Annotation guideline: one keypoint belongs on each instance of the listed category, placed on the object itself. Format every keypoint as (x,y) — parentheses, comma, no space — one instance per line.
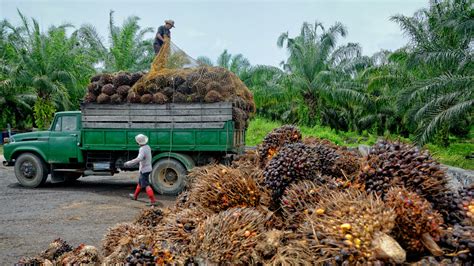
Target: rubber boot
(151,195)
(137,192)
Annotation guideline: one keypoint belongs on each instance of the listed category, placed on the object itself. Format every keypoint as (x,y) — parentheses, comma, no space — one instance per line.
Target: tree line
(423,90)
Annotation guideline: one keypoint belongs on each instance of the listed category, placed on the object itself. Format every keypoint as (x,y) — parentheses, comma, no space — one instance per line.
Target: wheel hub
(28,170)
(169,176)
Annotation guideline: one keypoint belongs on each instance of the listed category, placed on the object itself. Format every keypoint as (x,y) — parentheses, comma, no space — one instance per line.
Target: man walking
(161,33)
(144,160)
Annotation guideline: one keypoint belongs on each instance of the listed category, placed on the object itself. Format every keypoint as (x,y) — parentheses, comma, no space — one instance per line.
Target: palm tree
(315,65)
(129,49)
(440,53)
(235,63)
(52,64)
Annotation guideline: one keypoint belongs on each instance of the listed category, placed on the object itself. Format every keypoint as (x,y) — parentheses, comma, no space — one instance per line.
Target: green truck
(98,140)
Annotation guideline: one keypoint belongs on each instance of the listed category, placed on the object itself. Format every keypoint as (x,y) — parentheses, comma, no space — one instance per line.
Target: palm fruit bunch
(418,226)
(351,227)
(247,160)
(120,239)
(299,200)
(229,236)
(221,188)
(83,254)
(294,162)
(140,256)
(110,88)
(282,248)
(274,140)
(149,217)
(461,208)
(55,249)
(201,84)
(458,243)
(173,235)
(391,164)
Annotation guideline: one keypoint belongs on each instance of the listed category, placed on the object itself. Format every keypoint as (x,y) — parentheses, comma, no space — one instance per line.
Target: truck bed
(170,127)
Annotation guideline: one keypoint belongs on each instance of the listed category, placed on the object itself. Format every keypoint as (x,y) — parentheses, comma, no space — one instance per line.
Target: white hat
(141,139)
(170,21)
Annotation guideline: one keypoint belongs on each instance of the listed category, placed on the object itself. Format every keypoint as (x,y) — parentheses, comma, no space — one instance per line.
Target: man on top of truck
(144,160)
(163,31)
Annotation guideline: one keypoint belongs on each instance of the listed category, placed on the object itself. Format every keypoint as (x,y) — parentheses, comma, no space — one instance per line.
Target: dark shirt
(162,30)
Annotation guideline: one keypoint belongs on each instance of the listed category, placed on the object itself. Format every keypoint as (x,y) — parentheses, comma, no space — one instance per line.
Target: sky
(207,27)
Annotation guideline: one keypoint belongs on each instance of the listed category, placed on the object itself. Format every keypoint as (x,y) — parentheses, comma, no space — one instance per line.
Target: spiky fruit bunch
(160,98)
(246,160)
(351,226)
(228,236)
(299,200)
(135,77)
(458,242)
(121,238)
(219,188)
(108,89)
(116,99)
(94,88)
(122,78)
(106,78)
(149,217)
(55,249)
(461,208)
(274,140)
(213,96)
(81,255)
(177,81)
(391,164)
(31,261)
(146,98)
(283,248)
(123,90)
(103,98)
(133,97)
(178,98)
(95,78)
(174,233)
(90,98)
(326,158)
(294,162)
(418,226)
(140,256)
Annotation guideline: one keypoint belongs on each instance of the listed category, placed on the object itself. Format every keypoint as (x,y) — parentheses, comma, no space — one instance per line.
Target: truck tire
(30,170)
(168,176)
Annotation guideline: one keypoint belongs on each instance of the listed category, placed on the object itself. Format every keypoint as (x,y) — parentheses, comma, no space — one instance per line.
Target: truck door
(63,140)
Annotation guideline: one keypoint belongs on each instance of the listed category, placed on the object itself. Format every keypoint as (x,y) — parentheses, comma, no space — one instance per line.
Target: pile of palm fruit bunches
(296,201)
(190,85)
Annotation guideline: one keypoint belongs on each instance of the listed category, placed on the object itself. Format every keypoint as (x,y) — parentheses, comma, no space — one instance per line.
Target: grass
(1,149)
(454,155)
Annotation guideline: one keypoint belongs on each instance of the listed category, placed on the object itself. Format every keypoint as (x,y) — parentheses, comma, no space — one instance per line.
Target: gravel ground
(78,213)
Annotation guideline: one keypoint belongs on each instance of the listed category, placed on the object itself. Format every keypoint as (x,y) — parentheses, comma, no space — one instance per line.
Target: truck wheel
(30,170)
(168,177)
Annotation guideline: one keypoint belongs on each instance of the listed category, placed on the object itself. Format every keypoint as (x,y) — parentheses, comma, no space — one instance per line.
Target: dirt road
(80,213)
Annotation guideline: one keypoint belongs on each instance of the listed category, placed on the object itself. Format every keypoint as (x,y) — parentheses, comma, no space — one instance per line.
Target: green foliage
(44,112)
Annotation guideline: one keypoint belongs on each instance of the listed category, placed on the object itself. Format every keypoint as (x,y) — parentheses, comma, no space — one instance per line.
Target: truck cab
(34,153)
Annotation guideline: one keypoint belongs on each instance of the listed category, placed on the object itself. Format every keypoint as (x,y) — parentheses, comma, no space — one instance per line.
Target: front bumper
(8,163)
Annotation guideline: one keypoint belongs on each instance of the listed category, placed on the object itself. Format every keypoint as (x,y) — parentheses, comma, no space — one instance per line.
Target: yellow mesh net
(171,79)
